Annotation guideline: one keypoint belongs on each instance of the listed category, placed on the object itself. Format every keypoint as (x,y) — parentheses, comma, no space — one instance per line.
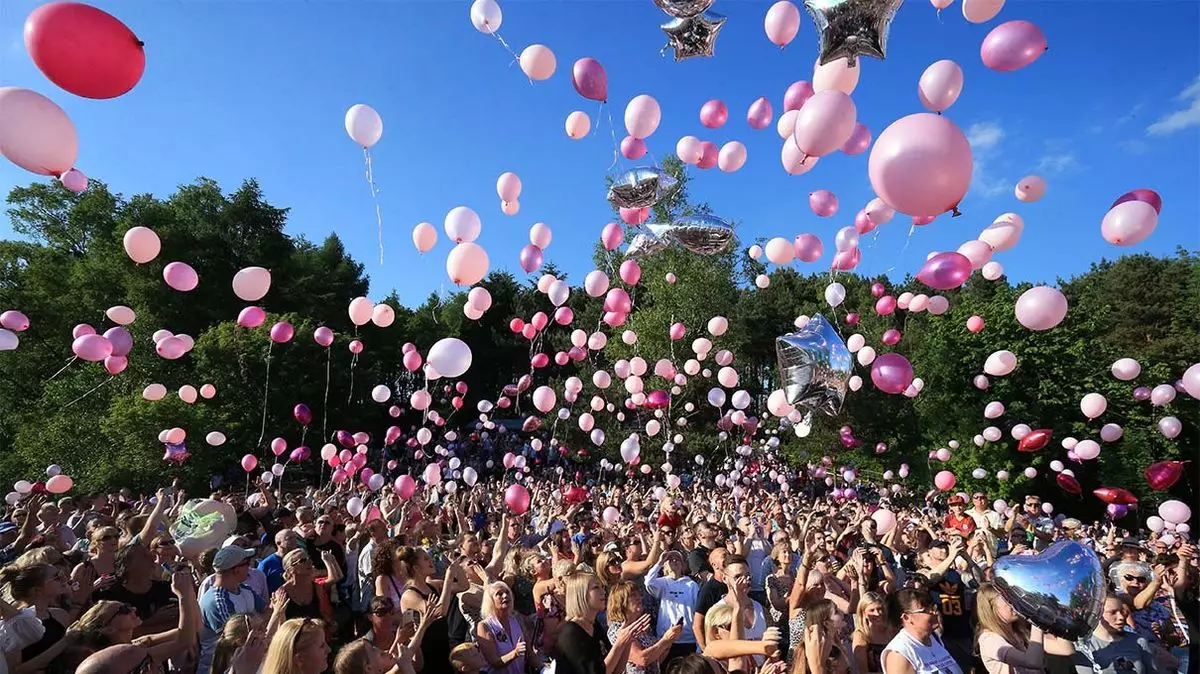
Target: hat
(6,527)
(612,546)
(232,541)
(1071,523)
(1133,543)
(956,500)
(229,557)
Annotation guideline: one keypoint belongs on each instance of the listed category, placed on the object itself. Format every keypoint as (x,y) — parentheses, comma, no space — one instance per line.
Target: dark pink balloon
(531,258)
(859,141)
(590,79)
(708,154)
(1141,394)
(808,247)
(1012,45)
(885,305)
(1141,194)
(891,337)
(823,202)
(852,318)
(796,95)
(863,223)
(633,148)
(760,113)
(845,260)
(282,332)
(891,373)
(714,114)
(945,271)
(878,289)
(121,340)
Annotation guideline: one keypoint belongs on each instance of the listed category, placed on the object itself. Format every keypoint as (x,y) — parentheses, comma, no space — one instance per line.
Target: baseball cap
(229,557)
(612,546)
(956,500)
(233,540)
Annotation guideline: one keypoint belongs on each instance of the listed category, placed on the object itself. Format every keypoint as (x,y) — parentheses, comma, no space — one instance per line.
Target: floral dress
(646,640)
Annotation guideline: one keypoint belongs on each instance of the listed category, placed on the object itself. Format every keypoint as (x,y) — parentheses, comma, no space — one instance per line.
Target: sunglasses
(1132,579)
(166,544)
(925,611)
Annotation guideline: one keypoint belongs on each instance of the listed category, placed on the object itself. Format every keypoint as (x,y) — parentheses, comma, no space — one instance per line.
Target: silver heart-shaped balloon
(814,366)
(641,187)
(701,234)
(1060,589)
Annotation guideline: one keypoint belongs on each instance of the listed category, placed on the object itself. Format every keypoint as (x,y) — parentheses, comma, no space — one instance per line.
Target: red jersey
(964,524)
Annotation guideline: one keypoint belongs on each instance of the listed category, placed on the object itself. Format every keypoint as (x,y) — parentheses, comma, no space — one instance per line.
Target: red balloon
(1115,495)
(1164,474)
(1069,484)
(1035,440)
(84,50)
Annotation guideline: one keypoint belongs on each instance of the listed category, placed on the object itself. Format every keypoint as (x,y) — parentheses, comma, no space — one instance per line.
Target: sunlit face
(302,567)
(501,598)
(1133,582)
(597,596)
(1114,616)
(124,620)
(1004,610)
(312,649)
(735,574)
(921,620)
(874,612)
(633,606)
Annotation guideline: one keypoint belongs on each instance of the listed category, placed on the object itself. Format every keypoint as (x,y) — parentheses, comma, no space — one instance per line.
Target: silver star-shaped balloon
(693,36)
(643,245)
(641,188)
(849,28)
(814,366)
(682,8)
(700,234)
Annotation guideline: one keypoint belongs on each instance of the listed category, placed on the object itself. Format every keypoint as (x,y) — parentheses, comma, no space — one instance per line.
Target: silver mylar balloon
(693,36)
(646,244)
(682,8)
(700,234)
(641,187)
(849,28)
(814,366)
(1060,589)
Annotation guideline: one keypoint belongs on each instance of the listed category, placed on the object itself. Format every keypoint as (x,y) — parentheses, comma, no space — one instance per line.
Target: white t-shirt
(755,631)
(931,659)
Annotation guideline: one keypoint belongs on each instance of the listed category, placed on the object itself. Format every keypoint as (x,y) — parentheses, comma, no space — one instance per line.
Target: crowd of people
(618,576)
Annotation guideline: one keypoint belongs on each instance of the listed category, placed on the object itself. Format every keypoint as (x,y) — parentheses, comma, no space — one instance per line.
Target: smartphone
(680,621)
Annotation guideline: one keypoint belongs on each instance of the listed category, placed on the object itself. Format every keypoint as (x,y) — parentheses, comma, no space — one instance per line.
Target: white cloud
(985,139)
(1180,119)
(1134,146)
(1057,163)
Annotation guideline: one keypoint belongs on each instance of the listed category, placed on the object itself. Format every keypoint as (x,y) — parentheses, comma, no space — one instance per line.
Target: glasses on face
(1134,579)
(924,611)
(166,544)
(979,497)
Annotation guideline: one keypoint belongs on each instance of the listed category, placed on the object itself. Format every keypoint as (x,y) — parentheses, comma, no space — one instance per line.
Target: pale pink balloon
(1004,233)
(825,123)
(1191,381)
(634,216)
(251,284)
(188,394)
(823,202)
(251,317)
(171,348)
(630,272)
(780,251)
(467,264)
(508,186)
(845,260)
(578,125)
(975,324)
(1012,45)
(713,114)
(355,346)
(940,85)
(859,140)
(595,283)
(978,252)
(921,165)
(688,149)
(1041,308)
(759,115)
(540,235)
(1129,223)
(939,5)
(837,75)
(510,207)
(180,276)
(1030,188)
(797,95)
(782,23)
(794,161)
(1093,405)
(732,156)
(642,116)
(207,391)
(36,134)
(538,63)
(786,125)
(141,244)
(981,11)
(81,330)
(633,148)
(879,212)
(424,235)
(75,181)
(808,247)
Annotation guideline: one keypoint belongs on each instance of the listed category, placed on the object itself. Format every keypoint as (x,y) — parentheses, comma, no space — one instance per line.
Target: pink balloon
(782,23)
(845,260)
(14,320)
(91,347)
(944,480)
(1012,45)
(1129,223)
(251,317)
(808,247)
(412,361)
(1030,188)
(539,321)
(797,95)
(709,154)
(75,181)
(611,236)
(878,289)
(1141,194)
(825,123)
(115,364)
(863,223)
(467,264)
(171,348)
(632,216)
(794,161)
(642,116)
(1041,308)
(282,332)
(921,165)
(677,331)
(732,156)
(940,85)
(323,336)
(141,244)
(537,61)
(891,337)
(633,148)
(975,324)
(506,207)
(760,113)
(516,497)
(121,340)
(589,79)
(36,134)
(891,373)
(180,276)
(630,272)
(945,271)
(837,75)
(539,360)
(577,126)
(531,258)
(823,202)
(713,114)
(81,330)
(249,462)
(564,315)
(688,149)
(859,140)
(508,186)
(978,252)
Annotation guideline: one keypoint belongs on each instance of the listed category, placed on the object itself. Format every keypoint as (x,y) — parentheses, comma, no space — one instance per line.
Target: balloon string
(266,389)
(900,256)
(375,198)
(90,392)
(325,400)
(64,368)
(496,34)
(612,130)
(353,364)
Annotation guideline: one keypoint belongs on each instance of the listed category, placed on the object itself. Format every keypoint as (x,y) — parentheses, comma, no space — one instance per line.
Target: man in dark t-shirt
(706,542)
(711,592)
(955,602)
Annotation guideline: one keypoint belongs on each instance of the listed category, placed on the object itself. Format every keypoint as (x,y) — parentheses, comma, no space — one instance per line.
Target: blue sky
(259,89)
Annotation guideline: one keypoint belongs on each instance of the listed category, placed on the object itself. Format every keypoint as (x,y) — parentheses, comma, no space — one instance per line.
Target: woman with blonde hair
(99,570)
(298,647)
(872,632)
(307,594)
(578,644)
(646,652)
(1005,644)
(499,633)
(364,657)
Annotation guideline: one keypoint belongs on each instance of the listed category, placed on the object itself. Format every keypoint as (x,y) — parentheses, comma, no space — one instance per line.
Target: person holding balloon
(1004,645)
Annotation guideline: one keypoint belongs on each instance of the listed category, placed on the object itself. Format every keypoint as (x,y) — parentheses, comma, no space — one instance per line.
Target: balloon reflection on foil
(641,187)
(693,36)
(700,234)
(646,244)
(850,28)
(682,8)
(1060,589)
(814,366)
